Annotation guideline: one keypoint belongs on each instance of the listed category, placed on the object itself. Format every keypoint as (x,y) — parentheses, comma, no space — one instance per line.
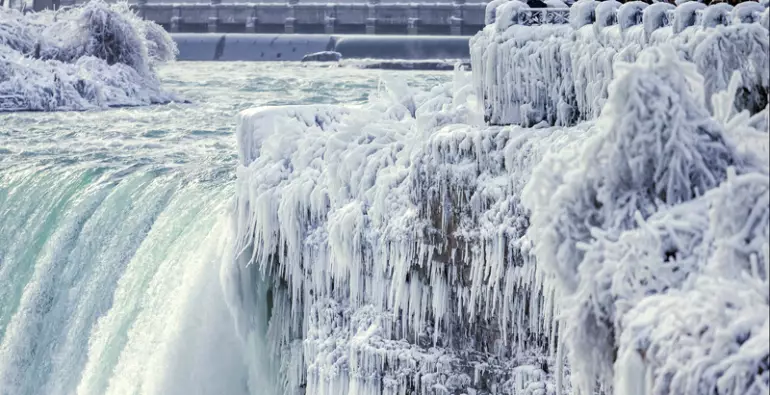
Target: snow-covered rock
(407,247)
(410,248)
(390,236)
(91,56)
(323,56)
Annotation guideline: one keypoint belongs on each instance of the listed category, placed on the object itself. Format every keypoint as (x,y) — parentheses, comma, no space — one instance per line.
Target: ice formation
(559,73)
(406,247)
(92,56)
(629,223)
(389,234)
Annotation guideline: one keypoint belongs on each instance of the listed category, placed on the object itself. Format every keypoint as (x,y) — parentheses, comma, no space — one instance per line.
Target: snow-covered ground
(93,56)
(404,246)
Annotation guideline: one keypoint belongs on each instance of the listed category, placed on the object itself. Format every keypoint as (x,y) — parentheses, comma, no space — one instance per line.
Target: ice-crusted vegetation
(389,234)
(92,56)
(410,249)
(660,206)
(559,73)
(405,247)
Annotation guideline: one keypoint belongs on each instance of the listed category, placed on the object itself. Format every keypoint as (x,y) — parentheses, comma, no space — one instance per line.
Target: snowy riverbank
(95,56)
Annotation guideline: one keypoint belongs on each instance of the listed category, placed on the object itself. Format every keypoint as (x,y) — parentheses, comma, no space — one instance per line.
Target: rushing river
(114,226)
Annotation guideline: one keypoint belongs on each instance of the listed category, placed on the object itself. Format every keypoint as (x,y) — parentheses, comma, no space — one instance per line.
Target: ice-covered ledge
(257,125)
(348,211)
(407,247)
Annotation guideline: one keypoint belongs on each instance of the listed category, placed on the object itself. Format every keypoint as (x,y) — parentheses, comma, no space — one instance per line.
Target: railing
(542,16)
(634,13)
(560,73)
(441,17)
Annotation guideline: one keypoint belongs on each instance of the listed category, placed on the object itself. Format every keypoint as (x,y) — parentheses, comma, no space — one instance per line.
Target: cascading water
(116,258)
(112,285)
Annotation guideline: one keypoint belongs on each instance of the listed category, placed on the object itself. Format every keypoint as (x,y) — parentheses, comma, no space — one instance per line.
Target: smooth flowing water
(114,227)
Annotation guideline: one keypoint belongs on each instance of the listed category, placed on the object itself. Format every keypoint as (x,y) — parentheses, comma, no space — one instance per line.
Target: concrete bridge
(440,17)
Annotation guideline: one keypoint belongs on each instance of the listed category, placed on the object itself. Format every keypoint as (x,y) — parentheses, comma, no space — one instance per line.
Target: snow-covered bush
(645,216)
(559,73)
(709,334)
(91,56)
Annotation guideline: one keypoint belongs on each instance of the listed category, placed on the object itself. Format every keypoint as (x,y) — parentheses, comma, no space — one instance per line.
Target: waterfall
(111,285)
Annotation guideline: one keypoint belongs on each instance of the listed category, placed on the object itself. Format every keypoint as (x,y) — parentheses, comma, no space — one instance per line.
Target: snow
(323,56)
(716,14)
(685,15)
(507,14)
(765,21)
(631,14)
(624,261)
(92,56)
(355,201)
(606,14)
(657,16)
(582,13)
(747,12)
(410,247)
(559,73)
(490,11)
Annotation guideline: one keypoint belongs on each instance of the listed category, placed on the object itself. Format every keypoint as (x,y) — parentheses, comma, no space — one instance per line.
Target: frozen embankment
(404,247)
(559,72)
(92,56)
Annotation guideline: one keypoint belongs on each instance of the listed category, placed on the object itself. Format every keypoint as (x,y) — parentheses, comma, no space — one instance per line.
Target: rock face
(325,56)
(389,278)
(403,246)
(411,65)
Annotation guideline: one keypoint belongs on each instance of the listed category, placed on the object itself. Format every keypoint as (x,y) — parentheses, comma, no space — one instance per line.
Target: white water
(117,296)
(115,238)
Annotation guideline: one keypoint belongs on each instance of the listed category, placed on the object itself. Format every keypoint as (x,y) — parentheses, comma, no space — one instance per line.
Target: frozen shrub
(627,219)
(91,56)
(708,339)
(514,64)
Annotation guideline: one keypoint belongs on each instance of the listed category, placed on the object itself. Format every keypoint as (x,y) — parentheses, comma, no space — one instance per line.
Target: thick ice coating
(559,74)
(410,248)
(91,56)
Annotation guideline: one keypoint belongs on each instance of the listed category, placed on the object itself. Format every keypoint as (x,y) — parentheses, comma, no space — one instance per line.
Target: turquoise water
(114,231)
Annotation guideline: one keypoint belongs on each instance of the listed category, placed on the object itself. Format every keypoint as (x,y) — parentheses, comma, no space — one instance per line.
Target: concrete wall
(293,47)
(395,17)
(38,5)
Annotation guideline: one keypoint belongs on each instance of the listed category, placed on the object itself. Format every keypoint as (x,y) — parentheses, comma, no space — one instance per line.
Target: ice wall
(408,248)
(531,66)
(390,234)
(91,56)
